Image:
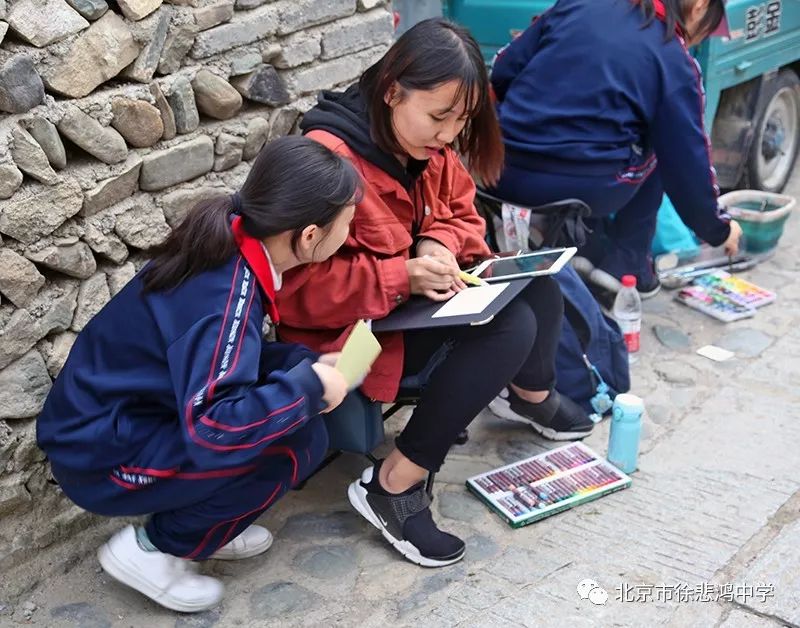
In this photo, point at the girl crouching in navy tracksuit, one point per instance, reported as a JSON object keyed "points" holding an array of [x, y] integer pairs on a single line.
{"points": [[172, 404], [600, 100]]}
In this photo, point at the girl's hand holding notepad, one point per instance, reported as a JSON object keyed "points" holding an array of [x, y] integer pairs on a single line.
{"points": [[333, 382], [330, 358]]}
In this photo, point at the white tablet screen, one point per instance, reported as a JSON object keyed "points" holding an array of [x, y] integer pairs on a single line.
{"points": [[540, 263]]}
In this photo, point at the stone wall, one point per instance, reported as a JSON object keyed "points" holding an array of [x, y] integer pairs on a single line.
{"points": [[116, 118]]}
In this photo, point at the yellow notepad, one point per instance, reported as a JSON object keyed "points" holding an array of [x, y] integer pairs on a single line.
{"points": [[358, 354]]}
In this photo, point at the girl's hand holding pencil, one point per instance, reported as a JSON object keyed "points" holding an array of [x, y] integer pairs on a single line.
{"points": [[446, 268], [432, 277]]}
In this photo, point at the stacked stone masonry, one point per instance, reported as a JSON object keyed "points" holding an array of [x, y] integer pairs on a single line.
{"points": [[115, 118]]}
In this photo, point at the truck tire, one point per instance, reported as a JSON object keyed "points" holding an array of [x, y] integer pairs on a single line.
{"points": [[777, 134]]}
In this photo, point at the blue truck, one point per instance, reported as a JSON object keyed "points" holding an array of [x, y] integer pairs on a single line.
{"points": [[751, 81]]}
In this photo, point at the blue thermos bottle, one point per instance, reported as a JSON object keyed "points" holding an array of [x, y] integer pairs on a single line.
{"points": [[626, 428]]}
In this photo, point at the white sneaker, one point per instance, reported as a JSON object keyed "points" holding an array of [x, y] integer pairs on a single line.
{"points": [[253, 541], [164, 578]]}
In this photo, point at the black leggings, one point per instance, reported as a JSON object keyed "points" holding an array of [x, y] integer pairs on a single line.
{"points": [[518, 345]]}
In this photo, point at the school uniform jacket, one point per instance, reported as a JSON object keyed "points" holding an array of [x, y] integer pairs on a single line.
{"points": [[179, 383], [367, 277], [588, 89]]}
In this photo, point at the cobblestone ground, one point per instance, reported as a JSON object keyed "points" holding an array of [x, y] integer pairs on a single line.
{"points": [[715, 501]]}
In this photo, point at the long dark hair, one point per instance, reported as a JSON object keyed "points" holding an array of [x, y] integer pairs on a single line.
{"points": [[426, 56], [676, 10], [294, 182]]}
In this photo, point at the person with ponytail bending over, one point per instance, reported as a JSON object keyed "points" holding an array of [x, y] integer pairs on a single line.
{"points": [[172, 405], [600, 100]]}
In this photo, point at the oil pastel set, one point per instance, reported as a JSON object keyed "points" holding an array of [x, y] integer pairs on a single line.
{"points": [[546, 484], [724, 296]]}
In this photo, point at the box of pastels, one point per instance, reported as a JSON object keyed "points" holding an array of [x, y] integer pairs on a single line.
{"points": [[543, 485]]}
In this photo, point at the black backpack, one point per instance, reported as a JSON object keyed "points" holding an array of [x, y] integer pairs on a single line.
{"points": [[591, 360]]}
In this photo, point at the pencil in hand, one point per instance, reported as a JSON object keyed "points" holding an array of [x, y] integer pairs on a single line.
{"points": [[470, 280]]}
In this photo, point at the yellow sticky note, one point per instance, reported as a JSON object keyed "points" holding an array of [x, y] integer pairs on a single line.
{"points": [[359, 352]]}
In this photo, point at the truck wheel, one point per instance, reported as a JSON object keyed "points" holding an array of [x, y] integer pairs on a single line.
{"points": [[777, 134]]}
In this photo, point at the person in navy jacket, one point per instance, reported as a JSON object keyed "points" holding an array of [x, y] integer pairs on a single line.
{"points": [[171, 404], [600, 100]]}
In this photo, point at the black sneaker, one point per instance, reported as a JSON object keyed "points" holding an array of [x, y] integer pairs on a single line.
{"points": [[647, 290], [555, 418], [405, 521]]}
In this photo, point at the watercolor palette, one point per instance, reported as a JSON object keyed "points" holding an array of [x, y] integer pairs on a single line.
{"points": [[543, 485], [736, 289], [725, 297], [715, 305]]}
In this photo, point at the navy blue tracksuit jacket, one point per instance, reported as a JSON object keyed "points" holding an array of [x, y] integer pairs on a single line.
{"points": [[171, 402], [589, 91]]}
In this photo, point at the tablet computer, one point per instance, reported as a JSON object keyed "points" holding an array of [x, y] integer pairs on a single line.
{"points": [[544, 262]]}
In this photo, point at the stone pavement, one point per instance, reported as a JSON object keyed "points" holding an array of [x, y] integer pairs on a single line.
{"points": [[715, 502]]}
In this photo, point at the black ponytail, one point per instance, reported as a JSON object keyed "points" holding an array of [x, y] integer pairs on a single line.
{"points": [[294, 182], [675, 12]]}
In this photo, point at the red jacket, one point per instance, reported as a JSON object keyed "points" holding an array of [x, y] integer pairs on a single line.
{"points": [[367, 277]]}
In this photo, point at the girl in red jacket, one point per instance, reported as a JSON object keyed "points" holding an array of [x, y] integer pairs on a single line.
{"points": [[415, 224]]}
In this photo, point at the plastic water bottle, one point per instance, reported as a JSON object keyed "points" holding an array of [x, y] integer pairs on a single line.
{"points": [[626, 428], [628, 314]]}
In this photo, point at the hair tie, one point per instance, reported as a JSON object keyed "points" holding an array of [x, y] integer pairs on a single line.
{"points": [[236, 203]]}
